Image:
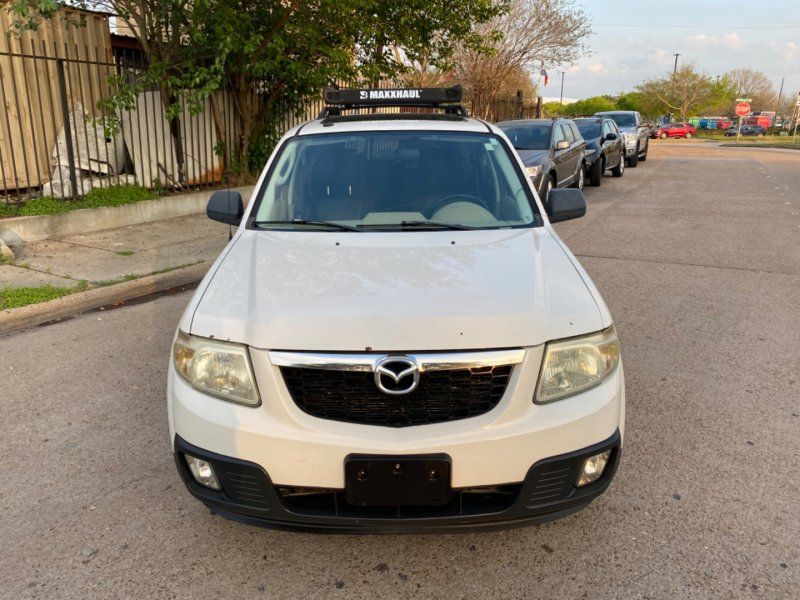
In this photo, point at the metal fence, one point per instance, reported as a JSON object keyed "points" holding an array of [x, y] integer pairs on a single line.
{"points": [[55, 141]]}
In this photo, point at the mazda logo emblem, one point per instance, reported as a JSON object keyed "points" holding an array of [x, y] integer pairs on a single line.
{"points": [[396, 375]]}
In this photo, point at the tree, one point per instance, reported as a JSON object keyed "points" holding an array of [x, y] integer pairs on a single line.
{"points": [[271, 56], [686, 92], [755, 85], [534, 33]]}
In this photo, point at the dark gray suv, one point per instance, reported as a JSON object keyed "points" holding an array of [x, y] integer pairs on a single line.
{"points": [[552, 151]]}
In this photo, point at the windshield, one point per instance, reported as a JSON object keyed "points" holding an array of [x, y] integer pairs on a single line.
{"points": [[623, 119], [527, 135], [411, 180], [588, 129]]}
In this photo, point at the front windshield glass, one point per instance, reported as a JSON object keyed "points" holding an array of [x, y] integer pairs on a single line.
{"points": [[391, 180], [623, 119], [527, 135], [589, 129]]}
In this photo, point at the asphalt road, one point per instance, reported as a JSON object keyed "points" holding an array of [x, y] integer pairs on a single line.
{"points": [[697, 252]]}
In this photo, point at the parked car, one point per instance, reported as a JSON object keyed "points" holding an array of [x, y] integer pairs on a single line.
{"points": [[749, 130], [635, 132], [677, 130], [724, 123], [552, 151], [605, 148], [395, 338]]}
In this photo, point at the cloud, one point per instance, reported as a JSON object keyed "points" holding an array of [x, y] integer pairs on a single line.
{"points": [[731, 41], [787, 51]]}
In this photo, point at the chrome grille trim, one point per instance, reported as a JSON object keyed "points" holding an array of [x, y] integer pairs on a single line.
{"points": [[430, 361]]}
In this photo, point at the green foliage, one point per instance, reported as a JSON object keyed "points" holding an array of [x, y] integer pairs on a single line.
{"points": [[590, 106], [686, 93], [272, 56], [48, 205], [14, 298]]}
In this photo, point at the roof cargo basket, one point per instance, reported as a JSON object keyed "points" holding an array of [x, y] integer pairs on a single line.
{"points": [[448, 99]]}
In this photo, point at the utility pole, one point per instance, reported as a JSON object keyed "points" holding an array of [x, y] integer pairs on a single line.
{"points": [[675, 68], [561, 100], [780, 94]]}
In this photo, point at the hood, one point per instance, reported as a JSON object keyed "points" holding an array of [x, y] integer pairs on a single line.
{"points": [[533, 157], [631, 129], [395, 291]]}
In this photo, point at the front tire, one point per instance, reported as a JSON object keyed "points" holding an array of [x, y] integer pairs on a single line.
{"points": [[619, 170], [596, 176], [663, 136], [634, 160], [545, 195], [643, 157], [688, 135]]}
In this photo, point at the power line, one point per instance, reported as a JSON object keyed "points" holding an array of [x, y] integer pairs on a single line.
{"points": [[697, 26]]}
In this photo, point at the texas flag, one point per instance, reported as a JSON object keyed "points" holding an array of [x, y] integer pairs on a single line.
{"points": [[543, 73]]}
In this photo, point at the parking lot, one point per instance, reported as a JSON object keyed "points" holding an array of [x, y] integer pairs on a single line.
{"points": [[697, 253]]}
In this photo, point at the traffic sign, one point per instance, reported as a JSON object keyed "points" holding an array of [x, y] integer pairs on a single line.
{"points": [[744, 99], [743, 109]]}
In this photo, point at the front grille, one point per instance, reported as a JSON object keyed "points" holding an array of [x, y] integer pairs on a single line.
{"points": [[353, 397]]}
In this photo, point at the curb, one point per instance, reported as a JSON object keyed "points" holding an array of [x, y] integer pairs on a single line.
{"points": [[16, 231], [15, 319]]}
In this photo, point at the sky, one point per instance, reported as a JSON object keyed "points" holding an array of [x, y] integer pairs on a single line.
{"points": [[635, 40]]}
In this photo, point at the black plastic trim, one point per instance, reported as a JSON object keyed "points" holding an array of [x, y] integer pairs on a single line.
{"points": [[272, 512]]}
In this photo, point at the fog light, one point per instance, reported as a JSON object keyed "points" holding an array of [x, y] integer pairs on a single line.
{"points": [[593, 468], [202, 472]]}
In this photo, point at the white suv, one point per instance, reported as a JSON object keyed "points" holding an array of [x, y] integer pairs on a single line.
{"points": [[395, 338]]}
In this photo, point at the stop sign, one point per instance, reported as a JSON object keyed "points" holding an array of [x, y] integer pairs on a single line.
{"points": [[743, 109]]}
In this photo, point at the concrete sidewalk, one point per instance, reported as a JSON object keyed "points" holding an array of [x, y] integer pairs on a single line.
{"points": [[115, 255], [109, 266]]}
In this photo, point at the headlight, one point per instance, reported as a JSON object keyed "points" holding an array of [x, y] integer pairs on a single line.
{"points": [[221, 369], [534, 171], [590, 151], [575, 365]]}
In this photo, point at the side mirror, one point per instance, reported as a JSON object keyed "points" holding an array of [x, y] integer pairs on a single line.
{"points": [[565, 204], [610, 137], [562, 145], [226, 207]]}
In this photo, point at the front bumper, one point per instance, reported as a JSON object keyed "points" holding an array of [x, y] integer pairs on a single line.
{"points": [[546, 493]]}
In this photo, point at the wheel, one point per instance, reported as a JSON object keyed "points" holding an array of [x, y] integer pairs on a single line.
{"points": [[548, 187], [663, 135], [643, 157], [580, 176], [619, 170], [688, 135], [596, 176], [634, 160]]}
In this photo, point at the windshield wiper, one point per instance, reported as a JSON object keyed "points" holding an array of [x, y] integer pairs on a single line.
{"points": [[417, 224], [330, 224]]}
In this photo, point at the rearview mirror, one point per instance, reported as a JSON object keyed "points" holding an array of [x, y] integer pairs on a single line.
{"points": [[226, 207], [562, 145], [565, 204], [610, 137]]}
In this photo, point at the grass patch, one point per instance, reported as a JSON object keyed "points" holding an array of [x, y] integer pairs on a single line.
{"points": [[48, 205], [13, 298], [125, 253]]}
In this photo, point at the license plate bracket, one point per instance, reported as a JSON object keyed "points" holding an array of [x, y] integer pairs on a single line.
{"points": [[411, 480]]}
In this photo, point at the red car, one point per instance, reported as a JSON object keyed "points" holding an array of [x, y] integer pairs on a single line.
{"points": [[676, 130]]}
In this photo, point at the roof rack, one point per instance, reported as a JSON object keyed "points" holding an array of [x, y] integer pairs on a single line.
{"points": [[352, 99]]}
